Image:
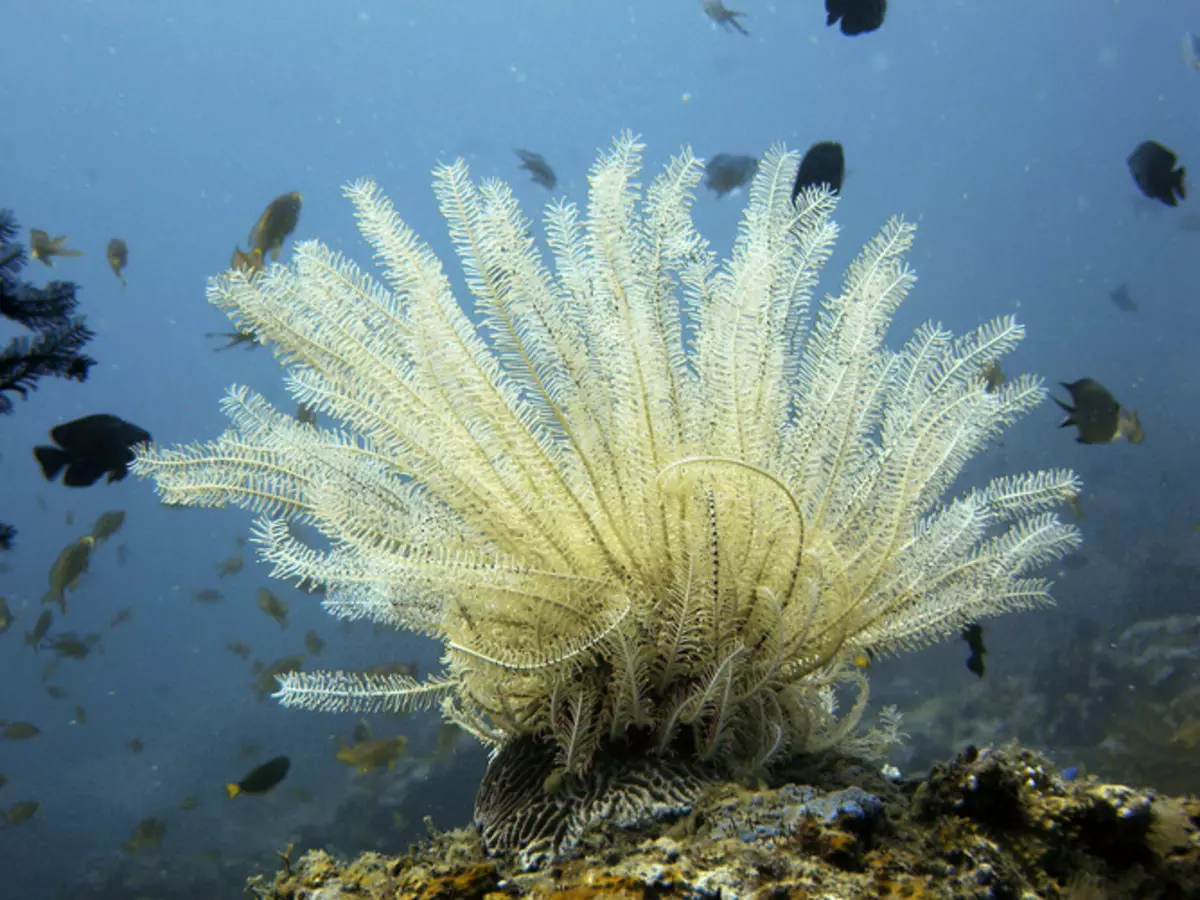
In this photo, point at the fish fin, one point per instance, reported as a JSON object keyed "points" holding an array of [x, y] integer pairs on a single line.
{"points": [[232, 790], [1180, 174], [51, 459]]}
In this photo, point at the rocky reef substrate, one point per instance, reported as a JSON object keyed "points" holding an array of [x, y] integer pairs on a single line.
{"points": [[995, 823]]}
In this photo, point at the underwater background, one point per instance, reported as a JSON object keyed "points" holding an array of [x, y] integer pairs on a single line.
{"points": [[1002, 130]]}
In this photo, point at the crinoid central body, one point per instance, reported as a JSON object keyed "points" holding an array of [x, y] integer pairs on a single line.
{"points": [[644, 499]]}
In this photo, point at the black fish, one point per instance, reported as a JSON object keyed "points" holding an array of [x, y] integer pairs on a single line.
{"points": [[1122, 299], [725, 171], [858, 16], [973, 635], [261, 778], [824, 163], [1097, 414], [90, 447], [277, 221], [537, 166], [726, 18], [1153, 168]]}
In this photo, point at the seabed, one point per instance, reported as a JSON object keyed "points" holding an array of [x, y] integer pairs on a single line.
{"points": [[992, 823]]}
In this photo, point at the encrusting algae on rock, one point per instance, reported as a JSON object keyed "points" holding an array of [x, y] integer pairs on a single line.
{"points": [[990, 824], [652, 508]]}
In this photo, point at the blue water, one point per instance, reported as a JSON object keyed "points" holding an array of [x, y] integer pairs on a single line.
{"points": [[1002, 128]]}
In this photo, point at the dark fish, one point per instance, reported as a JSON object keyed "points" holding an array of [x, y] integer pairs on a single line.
{"points": [[147, 836], [993, 377], [117, 255], [18, 731], [122, 616], [306, 414], [1097, 415], [235, 338], [727, 171], [207, 595], [135, 746], [277, 221], [858, 16], [726, 18], [273, 606], [313, 643], [68, 568], [40, 629], [538, 168], [19, 813], [824, 163], [90, 447], [44, 248], [231, 566], [1122, 300], [1153, 168], [108, 524], [262, 778], [973, 635], [6, 616]]}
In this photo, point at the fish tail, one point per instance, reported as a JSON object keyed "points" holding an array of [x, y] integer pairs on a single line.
{"points": [[1180, 175], [51, 459], [232, 790]]}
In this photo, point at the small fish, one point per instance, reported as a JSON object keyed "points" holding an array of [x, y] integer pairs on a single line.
{"points": [[108, 524], [1153, 168], [1071, 773], [313, 643], [1122, 299], [858, 16], [122, 554], [993, 377], [40, 629], [44, 248], [234, 339], [190, 802], [396, 668], [306, 414], [3, 779], [247, 749], [538, 168], [262, 778], [80, 715], [277, 221], [122, 616], [90, 447], [68, 568], [69, 518], [973, 635], [1191, 51], [377, 753], [231, 566], [54, 692], [1074, 504], [71, 646], [135, 746], [726, 18], [18, 731], [273, 606], [1097, 415], [824, 163], [207, 595], [238, 649], [19, 813], [147, 836], [727, 171], [362, 732], [117, 254], [6, 617]]}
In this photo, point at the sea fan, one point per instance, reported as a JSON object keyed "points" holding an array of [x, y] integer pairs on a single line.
{"points": [[644, 503]]}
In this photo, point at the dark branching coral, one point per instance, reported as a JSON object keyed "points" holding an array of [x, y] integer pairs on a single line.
{"points": [[56, 346]]}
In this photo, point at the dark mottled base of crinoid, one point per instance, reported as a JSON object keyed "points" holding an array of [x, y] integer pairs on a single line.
{"points": [[526, 809], [989, 824]]}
